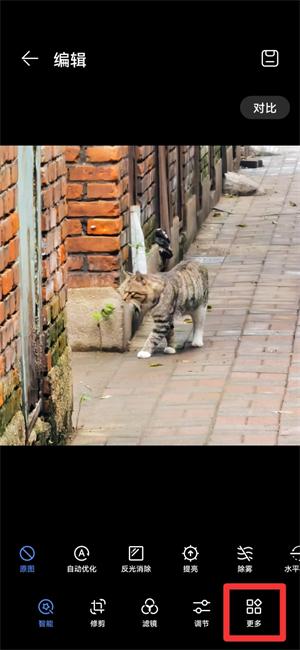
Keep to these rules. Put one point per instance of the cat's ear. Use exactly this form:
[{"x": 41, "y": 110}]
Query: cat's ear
[{"x": 140, "y": 278}]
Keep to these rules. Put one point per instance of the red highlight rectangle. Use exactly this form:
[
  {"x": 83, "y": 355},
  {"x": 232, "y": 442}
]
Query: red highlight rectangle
[{"x": 254, "y": 637}]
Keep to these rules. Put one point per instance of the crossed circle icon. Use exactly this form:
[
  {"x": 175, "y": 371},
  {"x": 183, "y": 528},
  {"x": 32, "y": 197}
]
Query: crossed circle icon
[{"x": 149, "y": 607}]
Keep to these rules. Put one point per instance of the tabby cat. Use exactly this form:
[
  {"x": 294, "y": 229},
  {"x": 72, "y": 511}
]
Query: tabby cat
[{"x": 183, "y": 290}]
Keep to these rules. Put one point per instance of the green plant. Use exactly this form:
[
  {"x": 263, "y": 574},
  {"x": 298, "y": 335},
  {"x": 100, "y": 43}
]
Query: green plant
[
  {"x": 84, "y": 397},
  {"x": 103, "y": 314}
]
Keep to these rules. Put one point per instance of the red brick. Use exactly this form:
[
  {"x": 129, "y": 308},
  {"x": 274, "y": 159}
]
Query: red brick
[
  {"x": 11, "y": 302},
  {"x": 57, "y": 150},
  {"x": 74, "y": 227},
  {"x": 1, "y": 207},
  {"x": 52, "y": 171},
  {"x": 46, "y": 315},
  {"x": 53, "y": 261},
  {"x": 48, "y": 243},
  {"x": 75, "y": 262},
  {"x": 45, "y": 268},
  {"x": 81, "y": 280},
  {"x": 16, "y": 273},
  {"x": 103, "y": 190},
  {"x": 61, "y": 166},
  {"x": 94, "y": 173},
  {"x": 2, "y": 314},
  {"x": 105, "y": 154},
  {"x": 7, "y": 228},
  {"x": 62, "y": 210},
  {"x": 63, "y": 186},
  {"x": 7, "y": 281},
  {"x": 57, "y": 236},
  {"x": 61, "y": 253},
  {"x": 14, "y": 172},
  {"x": 58, "y": 280},
  {"x": 72, "y": 153},
  {"x": 13, "y": 249},
  {"x": 104, "y": 226},
  {"x": 45, "y": 220},
  {"x": 103, "y": 262},
  {"x": 7, "y": 333},
  {"x": 46, "y": 154},
  {"x": 15, "y": 222},
  {"x": 53, "y": 216},
  {"x": 94, "y": 208},
  {"x": 44, "y": 175},
  {"x": 47, "y": 197},
  {"x": 125, "y": 253},
  {"x": 64, "y": 229},
  {"x": 2, "y": 365},
  {"x": 48, "y": 290},
  {"x": 10, "y": 356},
  {"x": 2, "y": 259},
  {"x": 16, "y": 324},
  {"x": 62, "y": 297},
  {"x": 56, "y": 191},
  {"x": 4, "y": 178},
  {"x": 90, "y": 244},
  {"x": 74, "y": 190}
]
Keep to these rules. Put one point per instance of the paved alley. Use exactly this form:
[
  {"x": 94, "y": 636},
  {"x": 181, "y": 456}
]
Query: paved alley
[{"x": 243, "y": 386}]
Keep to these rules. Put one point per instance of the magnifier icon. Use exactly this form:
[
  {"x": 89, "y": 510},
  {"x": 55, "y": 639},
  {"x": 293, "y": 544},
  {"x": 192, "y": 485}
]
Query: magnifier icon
[{"x": 46, "y": 606}]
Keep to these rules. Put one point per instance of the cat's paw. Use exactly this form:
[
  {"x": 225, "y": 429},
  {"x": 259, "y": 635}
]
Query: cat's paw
[
  {"x": 143, "y": 354},
  {"x": 197, "y": 343},
  {"x": 169, "y": 350}
]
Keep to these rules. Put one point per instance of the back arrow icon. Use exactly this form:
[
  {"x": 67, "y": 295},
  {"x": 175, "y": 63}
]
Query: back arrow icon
[{"x": 26, "y": 58}]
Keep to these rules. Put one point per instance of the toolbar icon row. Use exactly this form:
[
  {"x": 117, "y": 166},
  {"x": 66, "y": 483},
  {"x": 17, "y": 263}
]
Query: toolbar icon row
[{"x": 190, "y": 553}]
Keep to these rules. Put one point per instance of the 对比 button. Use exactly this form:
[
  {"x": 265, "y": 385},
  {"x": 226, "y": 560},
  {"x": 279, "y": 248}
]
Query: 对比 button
[{"x": 265, "y": 107}]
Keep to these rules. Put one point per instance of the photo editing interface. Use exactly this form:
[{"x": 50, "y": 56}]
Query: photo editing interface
[
  {"x": 149, "y": 325},
  {"x": 216, "y": 563}
]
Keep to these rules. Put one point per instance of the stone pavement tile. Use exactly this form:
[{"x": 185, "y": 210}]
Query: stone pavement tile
[
  {"x": 244, "y": 428},
  {"x": 198, "y": 431},
  {"x": 123, "y": 441},
  {"x": 289, "y": 440},
  {"x": 88, "y": 438},
  {"x": 223, "y": 441},
  {"x": 171, "y": 440},
  {"x": 262, "y": 365}
]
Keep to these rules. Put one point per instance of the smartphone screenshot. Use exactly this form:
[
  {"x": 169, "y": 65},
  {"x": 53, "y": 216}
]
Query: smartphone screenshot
[{"x": 149, "y": 325}]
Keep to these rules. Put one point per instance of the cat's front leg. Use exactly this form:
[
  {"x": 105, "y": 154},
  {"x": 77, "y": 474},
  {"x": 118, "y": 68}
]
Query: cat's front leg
[
  {"x": 170, "y": 348},
  {"x": 159, "y": 333},
  {"x": 148, "y": 347}
]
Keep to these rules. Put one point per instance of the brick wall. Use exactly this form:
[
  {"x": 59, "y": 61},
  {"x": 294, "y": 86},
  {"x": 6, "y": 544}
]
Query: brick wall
[
  {"x": 54, "y": 257},
  {"x": 188, "y": 171},
  {"x": 146, "y": 190},
  {"x": 204, "y": 161},
  {"x": 98, "y": 214},
  {"x": 10, "y": 391},
  {"x": 51, "y": 354},
  {"x": 173, "y": 180}
]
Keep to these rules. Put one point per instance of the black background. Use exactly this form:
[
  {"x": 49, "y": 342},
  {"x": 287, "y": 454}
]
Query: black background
[
  {"x": 167, "y": 71},
  {"x": 164, "y": 498}
]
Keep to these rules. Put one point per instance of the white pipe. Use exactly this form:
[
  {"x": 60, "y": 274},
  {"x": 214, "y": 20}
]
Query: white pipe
[{"x": 138, "y": 250}]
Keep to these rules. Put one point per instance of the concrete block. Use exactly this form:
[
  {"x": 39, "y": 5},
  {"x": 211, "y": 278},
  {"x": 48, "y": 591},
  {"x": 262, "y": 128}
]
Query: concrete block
[{"x": 82, "y": 327}]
